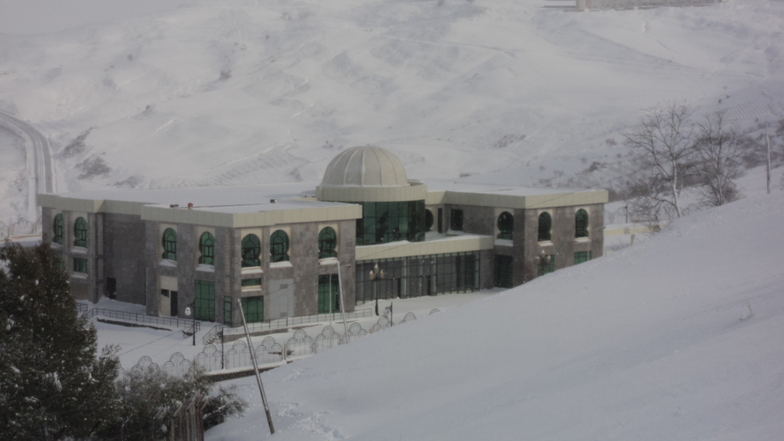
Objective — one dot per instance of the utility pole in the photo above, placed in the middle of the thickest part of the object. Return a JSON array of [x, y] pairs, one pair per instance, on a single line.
[[767, 143], [256, 369], [342, 303]]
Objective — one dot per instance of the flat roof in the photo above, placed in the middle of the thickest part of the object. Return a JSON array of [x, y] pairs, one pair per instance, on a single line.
[[509, 196], [251, 205]]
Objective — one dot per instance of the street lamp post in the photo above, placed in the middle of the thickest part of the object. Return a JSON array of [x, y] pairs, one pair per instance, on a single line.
[[376, 275], [190, 310]]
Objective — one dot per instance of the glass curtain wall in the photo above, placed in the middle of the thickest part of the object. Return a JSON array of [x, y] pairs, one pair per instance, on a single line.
[[418, 276], [384, 222]]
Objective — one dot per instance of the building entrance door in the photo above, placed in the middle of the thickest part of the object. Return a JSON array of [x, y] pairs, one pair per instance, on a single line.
[[174, 306]]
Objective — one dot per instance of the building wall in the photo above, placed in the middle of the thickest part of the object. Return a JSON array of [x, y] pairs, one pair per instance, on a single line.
[[563, 244], [123, 255]]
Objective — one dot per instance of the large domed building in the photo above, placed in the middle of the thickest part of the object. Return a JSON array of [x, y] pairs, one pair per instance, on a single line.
[[278, 249]]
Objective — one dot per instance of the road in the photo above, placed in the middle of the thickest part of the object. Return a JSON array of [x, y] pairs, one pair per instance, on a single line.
[[38, 156]]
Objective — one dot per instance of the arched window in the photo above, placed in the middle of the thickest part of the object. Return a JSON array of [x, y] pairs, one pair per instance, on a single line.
[[581, 223], [169, 244], [545, 225], [428, 220], [207, 249], [327, 239], [80, 232], [58, 229], [251, 249], [505, 225], [279, 246]]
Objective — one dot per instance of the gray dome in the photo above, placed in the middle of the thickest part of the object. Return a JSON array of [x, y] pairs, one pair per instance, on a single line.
[[366, 166]]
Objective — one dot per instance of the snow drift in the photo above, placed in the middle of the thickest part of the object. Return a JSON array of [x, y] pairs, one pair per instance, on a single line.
[[681, 337]]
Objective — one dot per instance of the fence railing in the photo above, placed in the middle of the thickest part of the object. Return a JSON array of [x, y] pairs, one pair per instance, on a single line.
[[269, 353], [283, 323], [141, 318]]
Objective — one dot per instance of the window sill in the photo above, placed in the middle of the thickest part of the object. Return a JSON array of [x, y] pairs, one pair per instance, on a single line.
[[56, 246], [286, 264], [582, 239], [329, 261], [80, 276], [504, 242], [252, 270], [205, 268], [79, 250], [546, 243], [169, 263], [254, 289]]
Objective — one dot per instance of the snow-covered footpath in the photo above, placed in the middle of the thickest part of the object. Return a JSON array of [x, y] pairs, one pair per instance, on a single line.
[[681, 337]]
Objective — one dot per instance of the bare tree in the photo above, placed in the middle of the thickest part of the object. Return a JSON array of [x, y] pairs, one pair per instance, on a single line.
[[719, 163], [663, 140]]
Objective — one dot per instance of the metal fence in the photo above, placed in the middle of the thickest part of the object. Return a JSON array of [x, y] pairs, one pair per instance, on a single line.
[[283, 323], [269, 353], [138, 318]]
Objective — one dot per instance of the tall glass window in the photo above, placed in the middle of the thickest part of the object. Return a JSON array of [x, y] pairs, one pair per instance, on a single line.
[[205, 300], [80, 232], [80, 265], [169, 244], [279, 246], [384, 222], [328, 294], [581, 223], [582, 256], [251, 250], [58, 229], [418, 276], [545, 225], [253, 307], [327, 242], [207, 249], [505, 225]]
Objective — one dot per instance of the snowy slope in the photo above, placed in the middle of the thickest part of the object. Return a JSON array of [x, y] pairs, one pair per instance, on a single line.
[[653, 342], [205, 92]]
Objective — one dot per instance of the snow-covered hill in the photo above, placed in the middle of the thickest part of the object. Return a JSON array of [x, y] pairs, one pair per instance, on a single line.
[[679, 338], [202, 92]]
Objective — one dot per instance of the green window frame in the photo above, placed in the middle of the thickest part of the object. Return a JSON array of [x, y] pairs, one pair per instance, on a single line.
[[506, 226], [169, 242], [327, 242], [328, 294], [279, 246], [207, 249], [456, 221], [251, 282], [80, 232], [253, 307], [227, 310], [251, 250], [384, 222], [545, 226], [546, 264], [204, 301], [581, 256], [503, 271], [80, 265], [581, 223], [57, 236]]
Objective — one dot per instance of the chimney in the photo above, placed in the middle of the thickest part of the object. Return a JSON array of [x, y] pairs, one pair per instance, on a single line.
[[190, 205], [272, 201], [173, 205]]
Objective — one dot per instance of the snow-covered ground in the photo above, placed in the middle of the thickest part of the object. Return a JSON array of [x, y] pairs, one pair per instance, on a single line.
[[204, 92], [680, 337]]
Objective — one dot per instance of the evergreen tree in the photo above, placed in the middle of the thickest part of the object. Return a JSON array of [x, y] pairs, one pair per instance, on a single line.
[[52, 385]]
